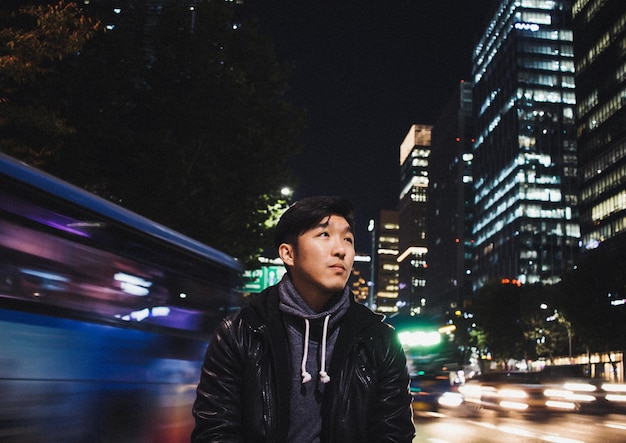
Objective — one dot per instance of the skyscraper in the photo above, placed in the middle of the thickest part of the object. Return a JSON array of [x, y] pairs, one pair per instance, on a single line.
[[450, 207], [387, 264], [525, 161], [599, 37], [412, 247]]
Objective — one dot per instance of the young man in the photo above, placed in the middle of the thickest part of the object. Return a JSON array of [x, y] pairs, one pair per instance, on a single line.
[[304, 362]]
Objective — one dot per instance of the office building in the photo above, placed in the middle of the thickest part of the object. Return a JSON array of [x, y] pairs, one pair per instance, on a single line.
[[450, 207], [359, 281], [525, 161], [387, 267], [412, 247], [599, 42]]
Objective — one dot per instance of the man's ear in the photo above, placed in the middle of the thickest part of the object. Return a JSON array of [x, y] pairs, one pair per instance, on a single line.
[[286, 254]]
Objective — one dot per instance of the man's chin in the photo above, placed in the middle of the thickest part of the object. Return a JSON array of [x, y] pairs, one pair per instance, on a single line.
[[336, 289]]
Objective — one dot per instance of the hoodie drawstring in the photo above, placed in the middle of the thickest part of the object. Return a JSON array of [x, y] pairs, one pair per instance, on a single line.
[[306, 376], [324, 377]]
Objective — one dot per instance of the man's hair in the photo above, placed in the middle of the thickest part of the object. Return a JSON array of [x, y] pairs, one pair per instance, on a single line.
[[306, 214]]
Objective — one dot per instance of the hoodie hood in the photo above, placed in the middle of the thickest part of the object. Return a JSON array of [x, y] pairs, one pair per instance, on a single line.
[[290, 302]]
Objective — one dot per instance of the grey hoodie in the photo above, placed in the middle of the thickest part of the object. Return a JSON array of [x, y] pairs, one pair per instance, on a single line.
[[309, 363]]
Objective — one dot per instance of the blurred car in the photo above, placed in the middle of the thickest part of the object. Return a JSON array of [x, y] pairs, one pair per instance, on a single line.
[[552, 390], [430, 391], [614, 396], [505, 391], [572, 387]]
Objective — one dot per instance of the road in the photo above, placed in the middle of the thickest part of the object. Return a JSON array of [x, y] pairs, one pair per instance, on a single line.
[[489, 426]]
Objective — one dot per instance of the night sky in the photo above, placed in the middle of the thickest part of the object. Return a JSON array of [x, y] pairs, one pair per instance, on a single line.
[[365, 71]]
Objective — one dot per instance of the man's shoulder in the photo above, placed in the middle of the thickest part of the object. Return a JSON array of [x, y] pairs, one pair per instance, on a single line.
[[364, 313], [262, 307], [363, 318]]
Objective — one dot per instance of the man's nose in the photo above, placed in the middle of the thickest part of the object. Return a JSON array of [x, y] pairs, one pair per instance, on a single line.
[[339, 248]]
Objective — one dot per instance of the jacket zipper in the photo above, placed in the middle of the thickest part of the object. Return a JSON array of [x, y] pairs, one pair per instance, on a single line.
[[267, 393]]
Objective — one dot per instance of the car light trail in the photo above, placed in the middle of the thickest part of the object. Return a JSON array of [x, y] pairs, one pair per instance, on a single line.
[[526, 433]]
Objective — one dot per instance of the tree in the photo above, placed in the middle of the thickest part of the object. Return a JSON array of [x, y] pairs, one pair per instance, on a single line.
[[183, 121], [520, 322], [220, 129], [591, 297], [32, 40], [497, 312], [545, 325]]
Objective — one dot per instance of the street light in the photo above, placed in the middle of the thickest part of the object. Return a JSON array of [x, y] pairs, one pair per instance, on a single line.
[[286, 192], [370, 228]]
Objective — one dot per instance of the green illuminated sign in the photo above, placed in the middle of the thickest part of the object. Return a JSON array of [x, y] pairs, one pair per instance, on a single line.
[[414, 339], [258, 279]]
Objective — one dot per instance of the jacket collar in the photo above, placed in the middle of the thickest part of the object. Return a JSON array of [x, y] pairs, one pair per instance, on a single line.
[[265, 305], [354, 328]]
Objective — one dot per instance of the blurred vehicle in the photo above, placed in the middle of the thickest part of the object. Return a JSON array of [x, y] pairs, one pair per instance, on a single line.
[[571, 386], [105, 316], [555, 389], [430, 391], [505, 391], [614, 396]]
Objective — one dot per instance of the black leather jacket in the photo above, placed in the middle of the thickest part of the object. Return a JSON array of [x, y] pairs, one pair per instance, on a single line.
[[243, 394]]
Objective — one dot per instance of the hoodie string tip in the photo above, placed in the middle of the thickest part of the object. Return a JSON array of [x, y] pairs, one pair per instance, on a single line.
[[324, 377], [306, 376]]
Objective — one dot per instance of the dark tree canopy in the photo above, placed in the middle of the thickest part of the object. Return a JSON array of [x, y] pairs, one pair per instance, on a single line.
[[521, 322], [180, 117], [34, 39], [497, 310], [591, 295]]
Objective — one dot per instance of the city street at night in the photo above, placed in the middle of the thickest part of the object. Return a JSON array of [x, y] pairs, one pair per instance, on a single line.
[[488, 426], [310, 222]]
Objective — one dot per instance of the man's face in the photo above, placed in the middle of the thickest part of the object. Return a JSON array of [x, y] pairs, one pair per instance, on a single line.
[[321, 263]]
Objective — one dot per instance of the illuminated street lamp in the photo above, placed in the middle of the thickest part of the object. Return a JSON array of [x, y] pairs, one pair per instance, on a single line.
[[372, 232], [286, 192]]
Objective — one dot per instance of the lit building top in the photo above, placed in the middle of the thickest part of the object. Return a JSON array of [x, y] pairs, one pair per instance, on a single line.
[[418, 135]]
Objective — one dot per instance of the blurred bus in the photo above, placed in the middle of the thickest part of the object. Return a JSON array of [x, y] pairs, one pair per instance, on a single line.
[[104, 316]]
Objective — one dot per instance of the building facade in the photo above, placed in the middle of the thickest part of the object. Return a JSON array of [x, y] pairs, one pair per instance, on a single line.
[[600, 42], [525, 160], [387, 267], [359, 281], [450, 208], [412, 207]]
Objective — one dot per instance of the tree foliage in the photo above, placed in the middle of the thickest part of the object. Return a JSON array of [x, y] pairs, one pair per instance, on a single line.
[[591, 294], [179, 116], [219, 117], [33, 39], [520, 322], [546, 328], [497, 310]]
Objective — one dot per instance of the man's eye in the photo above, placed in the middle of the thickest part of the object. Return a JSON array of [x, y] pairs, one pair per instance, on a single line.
[[349, 239]]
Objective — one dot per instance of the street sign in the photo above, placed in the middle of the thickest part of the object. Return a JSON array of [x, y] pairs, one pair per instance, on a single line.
[[257, 280]]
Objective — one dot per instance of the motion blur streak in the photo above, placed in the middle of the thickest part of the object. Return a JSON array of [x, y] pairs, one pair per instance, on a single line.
[[529, 434], [98, 345]]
